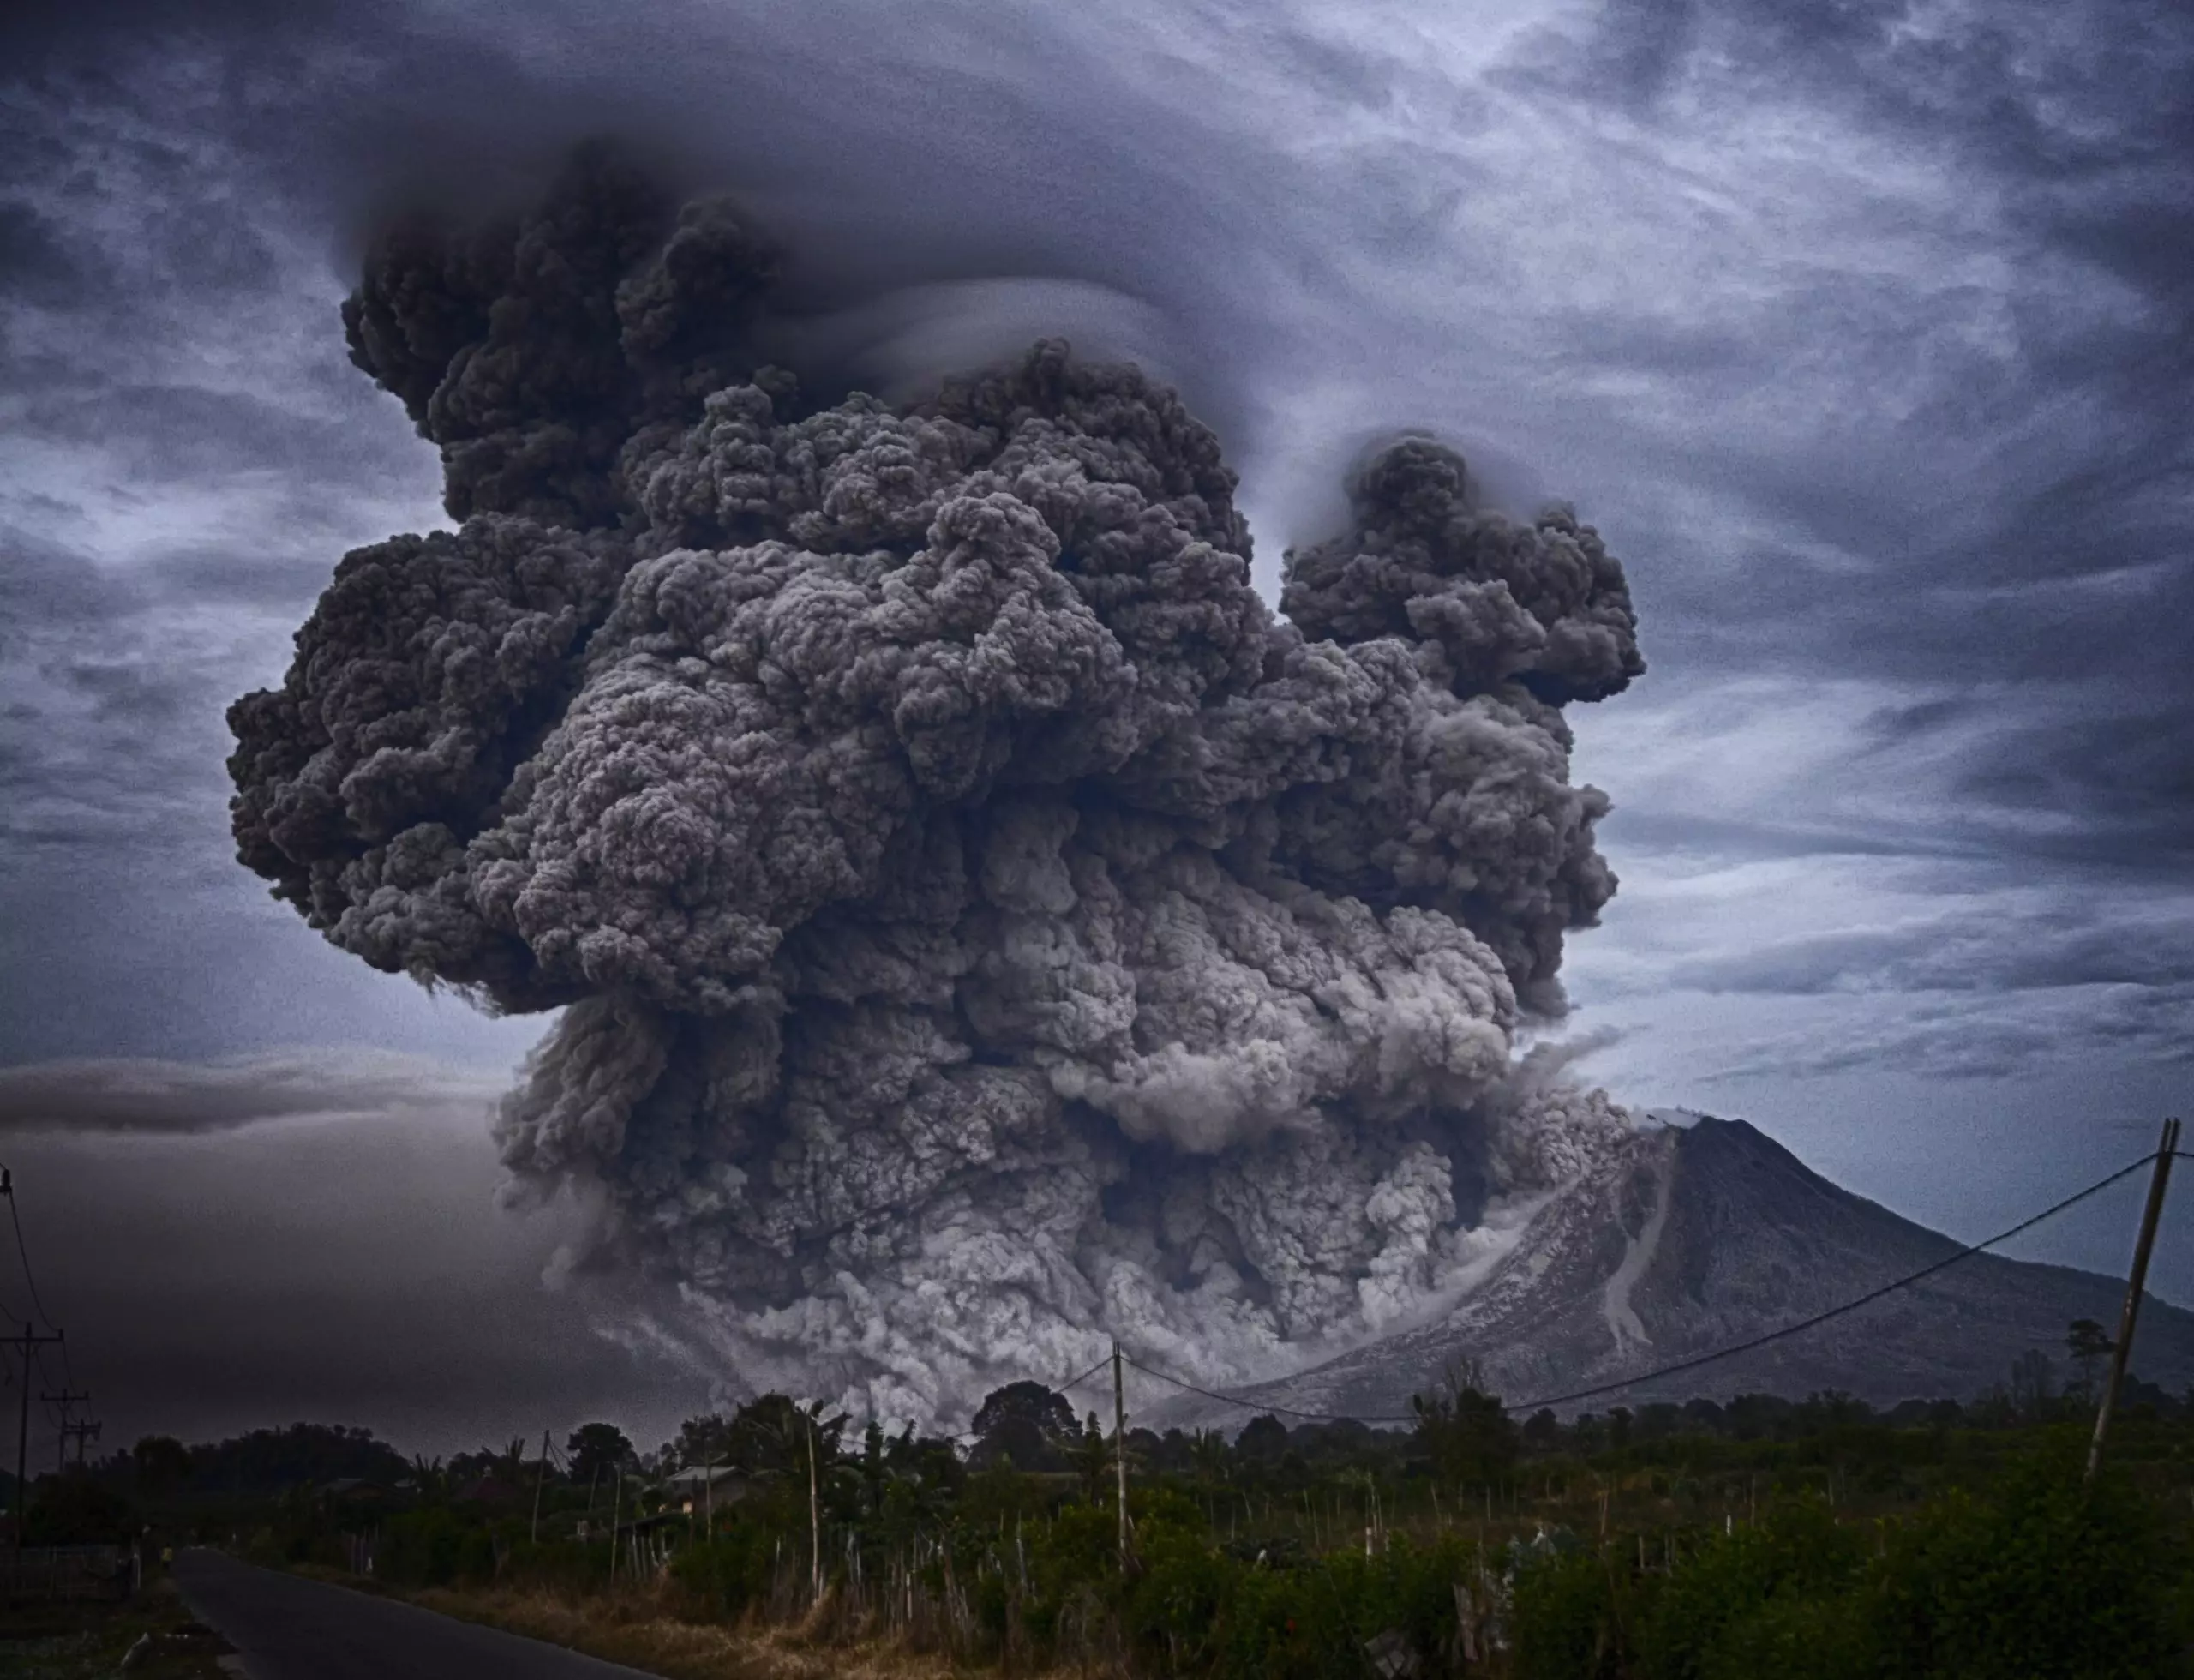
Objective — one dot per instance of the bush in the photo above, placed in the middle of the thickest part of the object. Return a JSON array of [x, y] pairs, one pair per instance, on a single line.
[[727, 1574], [2041, 1576], [1728, 1582], [75, 1510], [1569, 1617], [434, 1548]]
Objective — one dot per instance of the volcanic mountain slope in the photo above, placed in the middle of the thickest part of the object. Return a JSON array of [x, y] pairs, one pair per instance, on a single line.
[[1690, 1238]]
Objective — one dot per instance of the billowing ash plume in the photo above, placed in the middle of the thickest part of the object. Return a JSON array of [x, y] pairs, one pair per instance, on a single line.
[[980, 925]]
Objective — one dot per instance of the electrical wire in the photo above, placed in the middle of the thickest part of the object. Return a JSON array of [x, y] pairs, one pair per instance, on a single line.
[[6, 1303], [1852, 1305], [1697, 1360], [1061, 1388], [16, 1217], [1264, 1406]]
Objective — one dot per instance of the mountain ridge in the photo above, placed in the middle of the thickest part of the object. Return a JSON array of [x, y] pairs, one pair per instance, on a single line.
[[1690, 1238]]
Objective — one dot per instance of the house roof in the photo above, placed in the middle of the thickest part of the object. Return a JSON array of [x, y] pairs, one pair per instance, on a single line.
[[698, 1475]]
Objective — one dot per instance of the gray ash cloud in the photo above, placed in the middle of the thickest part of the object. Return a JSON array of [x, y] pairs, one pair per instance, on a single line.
[[980, 925]]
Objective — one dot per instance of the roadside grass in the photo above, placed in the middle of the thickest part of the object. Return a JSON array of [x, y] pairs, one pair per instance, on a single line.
[[642, 1630], [88, 1642]]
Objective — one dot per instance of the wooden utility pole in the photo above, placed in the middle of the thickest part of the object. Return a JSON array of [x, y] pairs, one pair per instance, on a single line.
[[65, 1399], [82, 1432], [1120, 1445], [616, 1504], [814, 1521], [2166, 1146], [539, 1482], [30, 1341]]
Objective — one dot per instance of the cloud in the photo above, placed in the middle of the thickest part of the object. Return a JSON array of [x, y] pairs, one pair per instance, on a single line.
[[1862, 332], [354, 1269], [147, 1095]]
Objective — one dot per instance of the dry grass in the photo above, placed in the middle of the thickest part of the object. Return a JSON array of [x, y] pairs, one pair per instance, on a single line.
[[86, 1641], [641, 1631]]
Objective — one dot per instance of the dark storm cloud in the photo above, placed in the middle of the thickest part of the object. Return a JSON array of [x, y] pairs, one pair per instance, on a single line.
[[923, 797], [351, 1266], [2063, 561], [36, 265], [1921, 432]]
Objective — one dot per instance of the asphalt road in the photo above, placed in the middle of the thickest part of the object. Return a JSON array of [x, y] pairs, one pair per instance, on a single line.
[[287, 1628]]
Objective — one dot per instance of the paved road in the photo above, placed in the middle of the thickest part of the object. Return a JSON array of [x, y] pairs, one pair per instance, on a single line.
[[287, 1628]]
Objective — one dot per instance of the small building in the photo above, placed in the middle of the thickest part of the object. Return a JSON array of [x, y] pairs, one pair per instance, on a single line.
[[698, 1486]]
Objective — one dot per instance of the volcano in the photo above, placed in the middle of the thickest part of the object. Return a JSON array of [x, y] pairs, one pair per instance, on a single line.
[[1687, 1237]]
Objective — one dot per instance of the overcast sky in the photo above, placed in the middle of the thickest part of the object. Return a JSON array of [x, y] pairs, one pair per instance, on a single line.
[[1863, 333]]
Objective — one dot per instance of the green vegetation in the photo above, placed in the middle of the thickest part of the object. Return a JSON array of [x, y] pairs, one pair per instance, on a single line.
[[1703, 1542]]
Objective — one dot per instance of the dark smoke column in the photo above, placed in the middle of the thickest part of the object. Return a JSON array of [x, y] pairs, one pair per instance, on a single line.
[[980, 925]]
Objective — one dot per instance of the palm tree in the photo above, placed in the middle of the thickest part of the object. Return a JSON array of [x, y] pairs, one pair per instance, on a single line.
[[1208, 1452], [2088, 1346]]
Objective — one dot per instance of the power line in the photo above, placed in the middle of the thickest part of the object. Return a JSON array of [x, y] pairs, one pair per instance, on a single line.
[[22, 1248], [1260, 1405], [1853, 1305], [1693, 1364], [7, 1306], [1061, 1388], [14, 1216]]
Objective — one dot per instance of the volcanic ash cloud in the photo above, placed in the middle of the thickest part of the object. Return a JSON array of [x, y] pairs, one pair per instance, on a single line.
[[980, 925]]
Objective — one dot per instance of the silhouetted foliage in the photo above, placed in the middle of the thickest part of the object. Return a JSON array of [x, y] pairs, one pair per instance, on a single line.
[[1032, 1424], [598, 1451], [267, 1460], [77, 1510]]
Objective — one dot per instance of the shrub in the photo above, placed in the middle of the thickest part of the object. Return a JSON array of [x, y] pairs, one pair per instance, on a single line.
[[2040, 1576], [76, 1510], [1569, 1617], [434, 1547], [1800, 1556], [726, 1574]]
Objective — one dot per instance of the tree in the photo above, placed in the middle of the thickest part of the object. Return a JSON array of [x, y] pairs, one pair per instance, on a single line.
[[1263, 1438], [161, 1462], [1208, 1451], [77, 1510], [705, 1439], [772, 1437], [1093, 1459], [1466, 1433], [1032, 1424], [597, 1450], [2089, 1345], [429, 1477], [2034, 1385]]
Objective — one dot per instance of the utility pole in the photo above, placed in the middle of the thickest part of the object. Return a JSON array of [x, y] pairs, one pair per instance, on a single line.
[[814, 1522], [616, 1504], [1120, 1446], [539, 1482], [82, 1432], [65, 1399], [2166, 1146], [30, 1341]]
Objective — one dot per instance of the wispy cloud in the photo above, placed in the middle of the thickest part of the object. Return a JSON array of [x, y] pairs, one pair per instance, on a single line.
[[139, 1095]]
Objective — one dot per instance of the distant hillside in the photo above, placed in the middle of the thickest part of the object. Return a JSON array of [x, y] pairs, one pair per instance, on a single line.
[[1690, 1239]]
